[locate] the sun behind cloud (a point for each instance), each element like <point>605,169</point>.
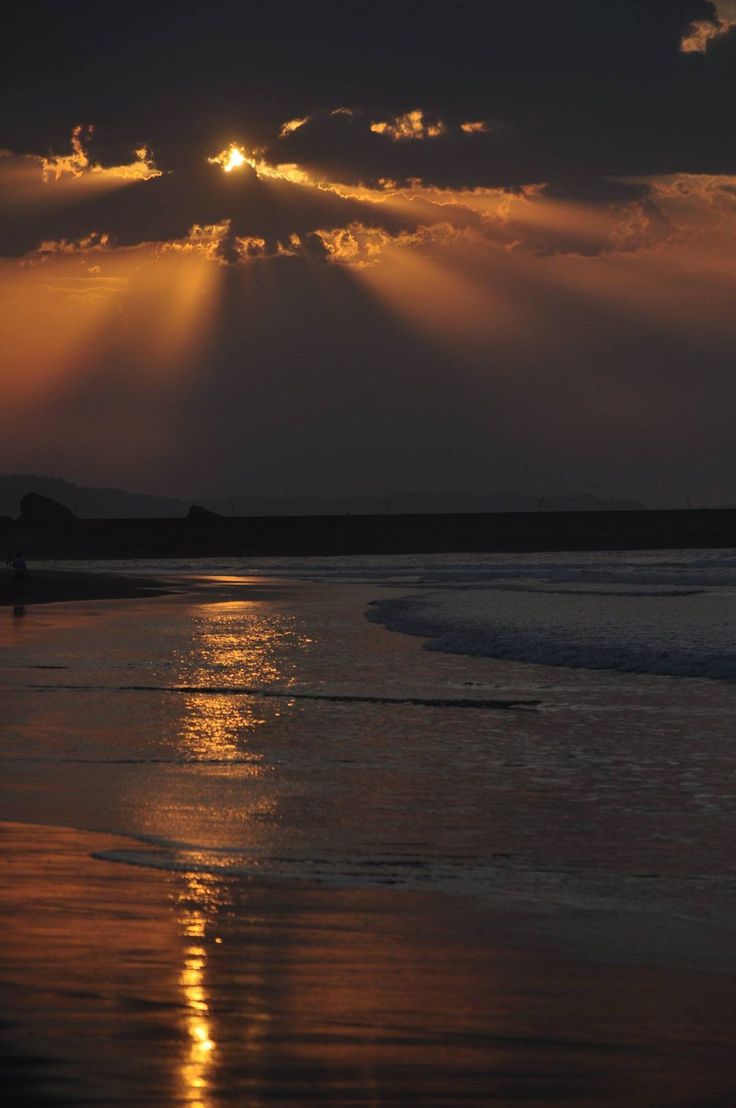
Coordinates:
<point>232,158</point>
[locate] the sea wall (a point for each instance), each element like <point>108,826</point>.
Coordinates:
<point>387,534</point>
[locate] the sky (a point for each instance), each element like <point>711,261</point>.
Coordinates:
<point>349,248</point>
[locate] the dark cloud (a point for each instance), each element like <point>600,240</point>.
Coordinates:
<point>343,147</point>
<point>577,87</point>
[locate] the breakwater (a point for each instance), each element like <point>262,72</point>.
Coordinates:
<point>215,536</point>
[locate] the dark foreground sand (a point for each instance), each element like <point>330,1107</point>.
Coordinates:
<point>46,586</point>
<point>126,986</point>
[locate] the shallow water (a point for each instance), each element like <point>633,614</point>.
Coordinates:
<point>131,986</point>
<point>265,727</point>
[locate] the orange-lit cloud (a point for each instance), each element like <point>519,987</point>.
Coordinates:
<point>409,126</point>
<point>292,125</point>
<point>475,127</point>
<point>88,244</point>
<point>360,246</point>
<point>78,162</point>
<point>205,240</point>
<point>216,242</point>
<point>234,157</point>
<point>282,210</point>
<point>699,194</point>
<point>702,32</point>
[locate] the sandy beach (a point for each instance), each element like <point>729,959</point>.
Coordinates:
<point>123,985</point>
<point>256,849</point>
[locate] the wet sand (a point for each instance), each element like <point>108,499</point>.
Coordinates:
<point>46,586</point>
<point>123,985</point>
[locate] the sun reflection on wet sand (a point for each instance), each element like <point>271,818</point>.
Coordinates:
<point>208,1021</point>
<point>198,902</point>
<point>242,642</point>
<point>234,643</point>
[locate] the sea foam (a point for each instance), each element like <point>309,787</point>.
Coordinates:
<point>653,629</point>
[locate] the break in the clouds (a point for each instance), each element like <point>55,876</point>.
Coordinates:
<point>486,246</point>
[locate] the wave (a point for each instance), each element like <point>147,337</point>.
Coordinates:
<point>662,635</point>
<point>518,880</point>
<point>294,694</point>
<point>690,568</point>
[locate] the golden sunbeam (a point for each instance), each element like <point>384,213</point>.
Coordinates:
<point>171,306</point>
<point>52,315</point>
<point>69,304</point>
<point>437,298</point>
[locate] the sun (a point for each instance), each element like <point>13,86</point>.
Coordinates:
<point>232,158</point>
<point>235,158</point>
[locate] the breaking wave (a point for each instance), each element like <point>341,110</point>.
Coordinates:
<point>676,634</point>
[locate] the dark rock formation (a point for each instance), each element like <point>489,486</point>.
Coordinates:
<point>201,515</point>
<point>33,506</point>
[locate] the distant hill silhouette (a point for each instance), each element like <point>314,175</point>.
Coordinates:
<point>87,503</point>
<point>101,503</point>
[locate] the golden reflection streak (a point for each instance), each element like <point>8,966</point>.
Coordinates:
<point>200,901</point>
<point>244,644</point>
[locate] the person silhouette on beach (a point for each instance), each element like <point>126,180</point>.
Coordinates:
<point>20,571</point>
